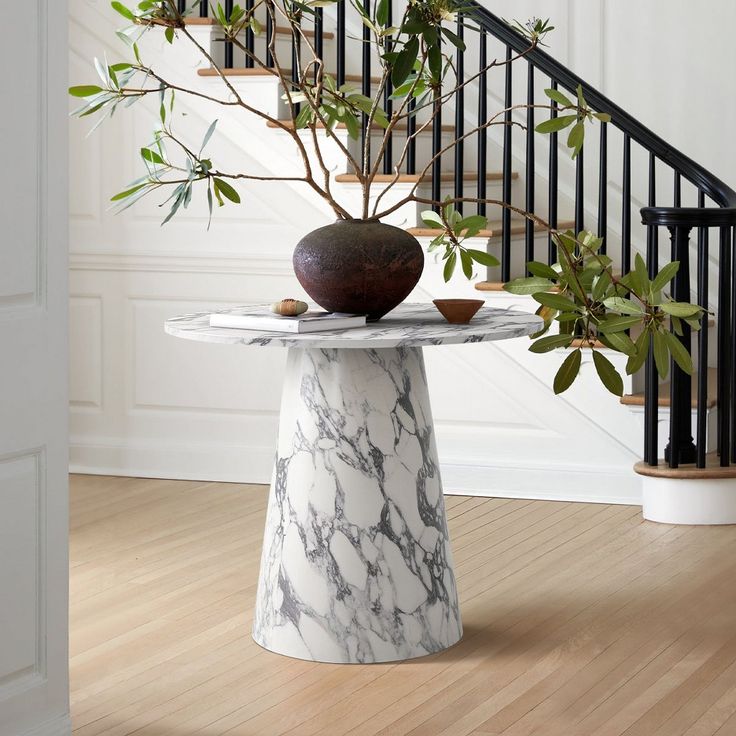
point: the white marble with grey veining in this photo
(409, 325)
(356, 563)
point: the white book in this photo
(260, 318)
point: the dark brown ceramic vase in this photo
(358, 266)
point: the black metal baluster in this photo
(296, 45)
(181, 5)
(651, 379)
(228, 44)
(553, 184)
(388, 151)
(603, 189)
(365, 136)
(530, 133)
(701, 427)
(482, 120)
(626, 209)
(319, 39)
(459, 117)
(681, 448)
(506, 195)
(340, 44)
(203, 8)
(250, 38)
(580, 192)
(269, 33)
(411, 129)
(436, 147)
(725, 359)
(678, 190)
(732, 380)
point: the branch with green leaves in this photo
(589, 306)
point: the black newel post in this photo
(681, 448)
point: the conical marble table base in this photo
(356, 563)
(356, 560)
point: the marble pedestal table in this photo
(356, 563)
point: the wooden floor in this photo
(580, 620)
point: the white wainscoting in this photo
(143, 403)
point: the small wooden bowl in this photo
(458, 311)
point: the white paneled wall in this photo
(144, 403)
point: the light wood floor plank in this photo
(580, 620)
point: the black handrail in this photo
(704, 180)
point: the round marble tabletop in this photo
(409, 325)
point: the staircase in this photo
(601, 192)
(502, 431)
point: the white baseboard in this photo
(59, 726)
(582, 483)
(242, 464)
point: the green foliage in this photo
(585, 300)
(452, 231)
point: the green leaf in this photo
(552, 342)
(559, 98)
(127, 192)
(618, 324)
(434, 59)
(382, 12)
(531, 285)
(85, 90)
(547, 316)
(471, 226)
(619, 341)
(635, 362)
(432, 219)
(208, 135)
(576, 138)
(449, 266)
(480, 256)
(404, 63)
(542, 270)
(608, 374)
(226, 190)
(454, 39)
(600, 285)
(661, 355)
(568, 372)
(679, 353)
(680, 309)
(125, 12)
(150, 155)
(556, 301)
(467, 263)
(621, 305)
(642, 275)
(554, 125)
(604, 117)
(169, 34)
(665, 276)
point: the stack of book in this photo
(261, 318)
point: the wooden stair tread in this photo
(637, 399)
(712, 470)
(447, 176)
(280, 30)
(260, 72)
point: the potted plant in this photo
(358, 263)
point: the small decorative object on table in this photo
(289, 307)
(458, 311)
